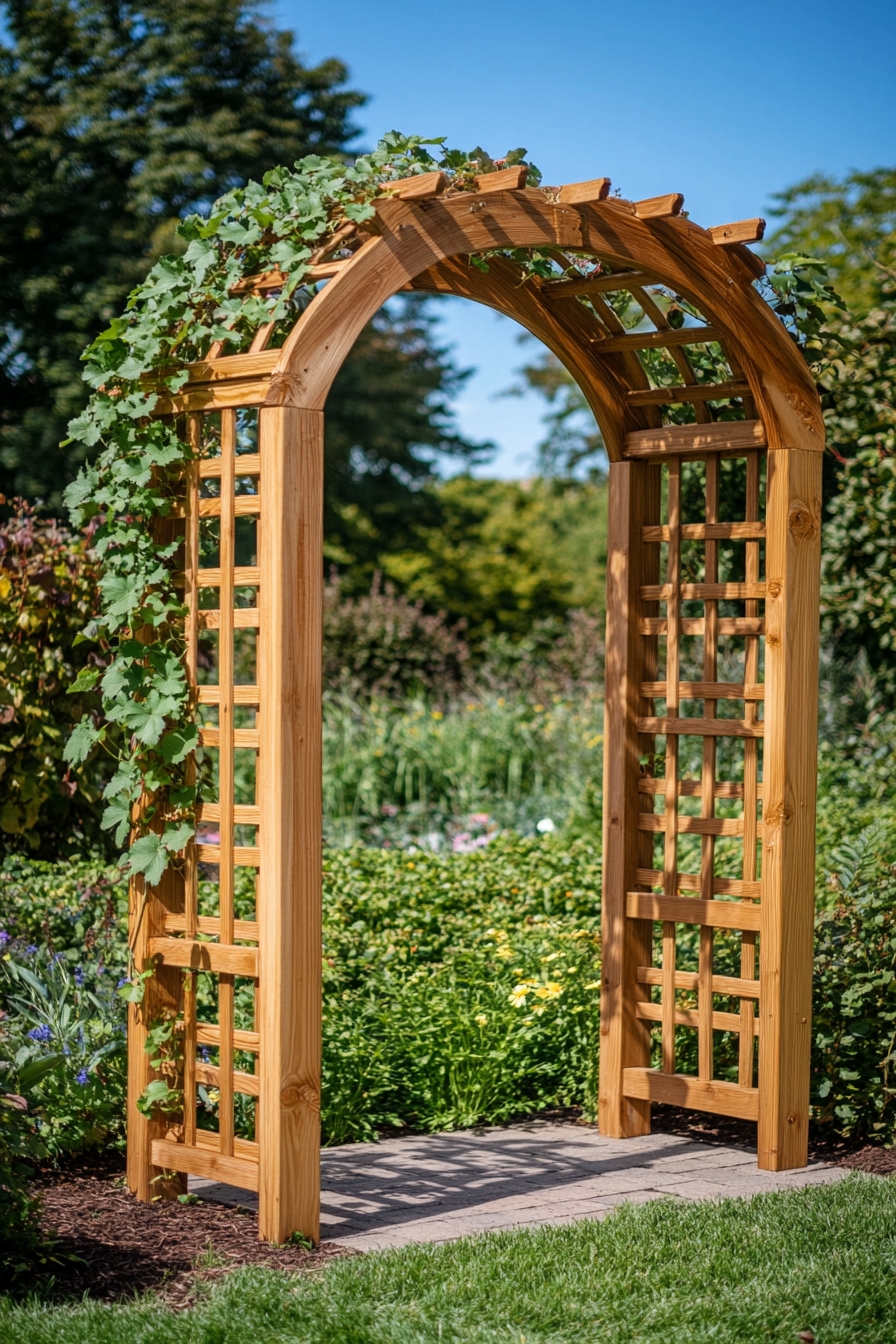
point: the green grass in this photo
(820, 1260)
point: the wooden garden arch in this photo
(421, 238)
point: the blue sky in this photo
(726, 103)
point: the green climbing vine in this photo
(288, 223)
(187, 302)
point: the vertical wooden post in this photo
(793, 552)
(290, 833)
(163, 994)
(634, 501)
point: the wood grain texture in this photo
(201, 1161)
(624, 1039)
(688, 910)
(659, 207)
(793, 520)
(290, 838)
(679, 1089)
(582, 193)
(698, 439)
(743, 231)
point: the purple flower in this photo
(79, 976)
(81, 1077)
(122, 982)
(206, 1054)
(4, 937)
(31, 949)
(40, 1034)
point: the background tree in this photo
(115, 119)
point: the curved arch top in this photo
(418, 244)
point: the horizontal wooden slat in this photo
(741, 231)
(690, 1017)
(242, 737)
(200, 1160)
(660, 207)
(244, 618)
(209, 1033)
(228, 368)
(243, 813)
(704, 690)
(193, 956)
(245, 1148)
(704, 592)
(224, 396)
(244, 930)
(680, 392)
(244, 856)
(692, 788)
(580, 288)
(654, 340)
(673, 440)
(694, 625)
(243, 506)
(691, 910)
(210, 1075)
(721, 984)
(702, 727)
(244, 576)
(722, 886)
(656, 821)
(266, 281)
(707, 532)
(246, 464)
(242, 695)
(679, 1089)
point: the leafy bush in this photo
(854, 1007)
(47, 596)
(69, 1026)
(19, 1149)
(384, 645)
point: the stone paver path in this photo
(440, 1186)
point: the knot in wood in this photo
(298, 1094)
(803, 520)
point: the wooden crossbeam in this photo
(727, 625)
(707, 532)
(722, 886)
(706, 690)
(679, 392)
(658, 822)
(699, 439)
(660, 207)
(653, 340)
(690, 980)
(420, 187)
(691, 910)
(197, 956)
(704, 592)
(690, 1017)
(578, 287)
(503, 179)
(693, 788)
(742, 231)
(681, 1089)
(584, 193)
(676, 727)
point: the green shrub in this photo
(19, 1148)
(47, 596)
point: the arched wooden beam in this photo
(416, 236)
(564, 328)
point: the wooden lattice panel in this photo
(701, 791)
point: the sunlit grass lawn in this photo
(821, 1261)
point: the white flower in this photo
(545, 826)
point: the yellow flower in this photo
(504, 952)
(517, 996)
(538, 1009)
(437, 714)
(553, 956)
(595, 984)
(214, 1095)
(552, 990)
(481, 1019)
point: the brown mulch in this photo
(111, 1246)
